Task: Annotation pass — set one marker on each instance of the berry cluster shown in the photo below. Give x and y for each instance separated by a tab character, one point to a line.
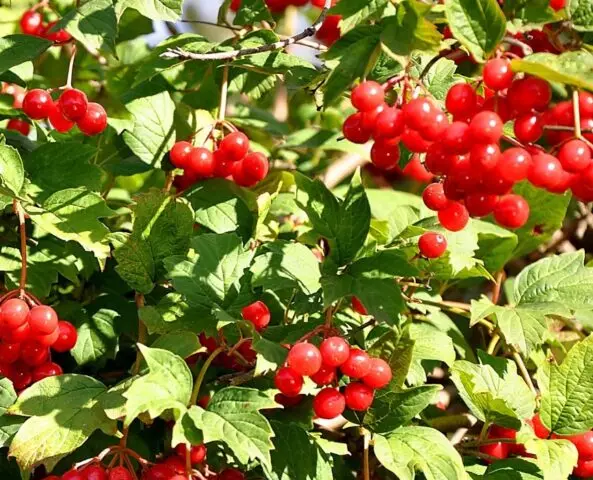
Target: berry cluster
321	365
33	23
72	108
232	159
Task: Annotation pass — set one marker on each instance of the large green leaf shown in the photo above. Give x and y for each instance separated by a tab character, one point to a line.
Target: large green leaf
64	411
513	469
252	11
154	9
7	395
12	172
17	49
555	458
527	14
94	24
97	337
354	12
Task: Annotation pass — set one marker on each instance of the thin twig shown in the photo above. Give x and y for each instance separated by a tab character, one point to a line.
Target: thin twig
524	373
493	343
202	374
224	88
526	49
71	68
142	332
366	467
232	54
18	209
497	286
566	128
451	55
577	114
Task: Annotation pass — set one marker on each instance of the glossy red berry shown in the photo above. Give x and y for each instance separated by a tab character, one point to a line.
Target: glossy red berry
33	354
414	142
461	100
329	403
119	473
329	32
59	37
354	130
359	308
357	365
367	95
485	156
19	334
586	104
21	377
434	130
9	352
160	471
584	469
358	396
14	313
480	204
73	104
37	104
498	74
288	381
511	211
200	163
257	313
94	472
73	475
231	474
179	154
235	5
31	22
417	171
58	121
379	375
434	197
528	128
454	217
67	338
43	320
49	339
197	453
94	120
538	427
304	358
389	123
369	118
432	245
584	444
385	154
514	165
18	125
557	4
325	376
235	146
438	160
458	139
255	167
545	171
334	351
575	156
419	113
497	450
45	370
486	127
529	94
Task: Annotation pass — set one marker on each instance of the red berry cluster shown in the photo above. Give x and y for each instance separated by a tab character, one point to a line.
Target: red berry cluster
232	159
28	334
95	472
321	365
72	108
33	23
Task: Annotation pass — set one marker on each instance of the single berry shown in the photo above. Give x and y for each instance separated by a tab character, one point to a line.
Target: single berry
414	142
73	475
200	163
528	128
461	100
575	156
485	156
14	313
255	167
367	95
95	472
33	354
458	139
58	120
329	403
380	374
329	32
389	123
325	376
160	471
59	37
584	444
438	160
94	120
514	165
288	381
18	125
43	320
334	351
179	154
19	334
231	474
498	74
304	358
119	473
358	396
557	4
31	22
539	428
480	204
176	463
22	377
417	171
545	171
354	130
357	365
67	338
529	94
454	217
584	469
586	104
49	339
37	104
235	146
385	154
9	352
369	118
73	104
432	245
497	450
486	127
45	370
436	127
257	313
434	197
197	453
419	113
359	308
511	211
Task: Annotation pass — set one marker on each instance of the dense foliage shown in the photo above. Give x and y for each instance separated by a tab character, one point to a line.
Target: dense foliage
256	251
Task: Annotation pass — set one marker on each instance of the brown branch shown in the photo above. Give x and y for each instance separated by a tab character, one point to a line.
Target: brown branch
142	332
526	49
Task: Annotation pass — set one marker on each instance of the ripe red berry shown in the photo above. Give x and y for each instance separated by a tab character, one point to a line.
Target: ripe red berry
538	427
434	197
584	469
177	464
583	442
369	118
436	127
43	320
454	217
94	472
179	154
380	374
480	204
486	127
33	354
432	245
73	475
14	313
304	358
496	450
485	156
418	113
58	120
385	153
417	171
94	120
200	163
575	156
45	370
49	339
457	139
235	146
59	37
358	396
528	94
73	104
9	352
586	104
389	123
367	95
498	74
511	211
461	100
325	376
160	471
528	128
18	125
514	165
31	22
255	167
334	351
437	160
119	473
197	453
67	339
257	313
357	365
288	381
545	171
19	334
329	32
354	130
235	5
21	377
37	104
329	403
231	474
414	142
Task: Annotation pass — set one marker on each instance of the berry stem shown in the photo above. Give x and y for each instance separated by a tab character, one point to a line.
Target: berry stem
70	68
497	286
142	332
188	468
493	343
524	373
366	466
18	210
577	114
513	42
224	91
196	391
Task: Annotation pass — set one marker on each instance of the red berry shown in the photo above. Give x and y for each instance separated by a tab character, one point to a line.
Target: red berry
354	130
18	125
37	104
329	32
255	167
288	381
59	37
528	128
418	113
357	365
485	156
94	120
437	160
197	453
6	370
247	352
586	104
414	142
583	442
416	171
176	463
119	473
358	396
329	403
458	139
9	352
461	100
45	370
369	118
538	427
94	472
486	127
334	351
73	104
31	22
575	156
58	120
380	374
73	475
434	197
498	74
19	334
325	376
545	171
43	320
454	217
234	146
231	474
33	354
529	94
200	163
385	154
511	211
367	95
304	358
496	450
14	313
389	123
257	313
514	165
432	245
288	401
179	154
584	469
22	378
480	204
67	339
436	127
160	471
557	5
235	5
359	308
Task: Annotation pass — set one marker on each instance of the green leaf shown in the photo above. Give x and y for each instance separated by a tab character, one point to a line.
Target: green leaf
570	68
555	458
9	426
12	172
270	355
154	9
528	14
172	314
479	25
325	140
513	469
73	214
409	30
354	12
251	12
97	337
167	385
183	344
17	49
56	166
163	226
493	391
429	344
7	395
233	417
153	134
64	411
94	24
286	265
567	390
410	449
580	13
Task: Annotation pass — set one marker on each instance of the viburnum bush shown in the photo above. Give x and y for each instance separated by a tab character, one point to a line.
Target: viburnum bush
296	240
